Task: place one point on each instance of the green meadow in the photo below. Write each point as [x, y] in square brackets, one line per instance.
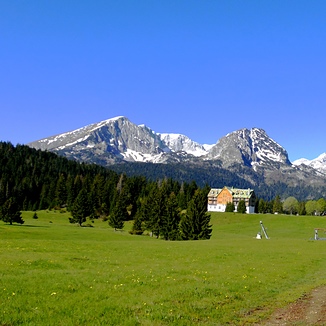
[56, 273]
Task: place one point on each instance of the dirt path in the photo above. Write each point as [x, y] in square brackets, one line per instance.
[308, 310]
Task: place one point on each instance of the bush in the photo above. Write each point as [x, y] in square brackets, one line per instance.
[229, 207]
[136, 232]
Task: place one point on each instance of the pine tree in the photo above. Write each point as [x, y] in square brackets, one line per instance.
[61, 191]
[118, 216]
[182, 201]
[137, 226]
[277, 205]
[155, 209]
[170, 222]
[10, 212]
[262, 206]
[187, 227]
[241, 207]
[80, 209]
[195, 225]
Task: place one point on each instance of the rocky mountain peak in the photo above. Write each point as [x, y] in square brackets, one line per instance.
[250, 147]
[318, 163]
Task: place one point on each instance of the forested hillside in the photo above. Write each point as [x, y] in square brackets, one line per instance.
[215, 176]
[33, 180]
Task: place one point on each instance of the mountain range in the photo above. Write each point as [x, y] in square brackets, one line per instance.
[248, 154]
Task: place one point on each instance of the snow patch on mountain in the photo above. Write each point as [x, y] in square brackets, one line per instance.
[318, 163]
[208, 147]
[251, 147]
[179, 142]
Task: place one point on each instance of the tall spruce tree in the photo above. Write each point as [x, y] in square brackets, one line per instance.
[155, 209]
[195, 225]
[61, 191]
[118, 215]
[80, 209]
[277, 205]
[170, 222]
[137, 226]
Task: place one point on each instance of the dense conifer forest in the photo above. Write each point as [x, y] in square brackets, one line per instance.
[35, 180]
[213, 175]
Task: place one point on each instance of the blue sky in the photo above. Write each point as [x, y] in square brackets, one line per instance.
[201, 68]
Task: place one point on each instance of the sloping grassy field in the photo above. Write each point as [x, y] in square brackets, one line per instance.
[55, 273]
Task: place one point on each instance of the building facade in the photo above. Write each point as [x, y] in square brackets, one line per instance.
[219, 198]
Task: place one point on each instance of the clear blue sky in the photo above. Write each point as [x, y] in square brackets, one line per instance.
[201, 68]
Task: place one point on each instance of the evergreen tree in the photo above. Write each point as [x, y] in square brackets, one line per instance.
[51, 193]
[118, 216]
[182, 201]
[262, 206]
[110, 194]
[170, 222]
[61, 191]
[155, 209]
[80, 209]
[190, 190]
[277, 205]
[2, 191]
[241, 207]
[10, 212]
[43, 200]
[195, 225]
[137, 226]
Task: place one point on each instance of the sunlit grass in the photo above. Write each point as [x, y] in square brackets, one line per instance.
[56, 273]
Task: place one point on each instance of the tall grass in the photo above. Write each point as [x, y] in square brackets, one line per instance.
[55, 273]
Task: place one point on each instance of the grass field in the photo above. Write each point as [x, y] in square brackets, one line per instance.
[55, 273]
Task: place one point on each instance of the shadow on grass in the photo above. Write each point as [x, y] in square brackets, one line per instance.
[27, 225]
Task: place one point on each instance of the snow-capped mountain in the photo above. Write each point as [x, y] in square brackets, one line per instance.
[119, 140]
[318, 163]
[108, 141]
[251, 147]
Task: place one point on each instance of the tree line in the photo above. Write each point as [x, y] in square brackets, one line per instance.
[35, 180]
[291, 205]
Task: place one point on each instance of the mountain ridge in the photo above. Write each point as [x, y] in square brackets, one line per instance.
[248, 155]
[319, 163]
[118, 139]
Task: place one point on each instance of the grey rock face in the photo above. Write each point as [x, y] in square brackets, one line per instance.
[250, 147]
[117, 138]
